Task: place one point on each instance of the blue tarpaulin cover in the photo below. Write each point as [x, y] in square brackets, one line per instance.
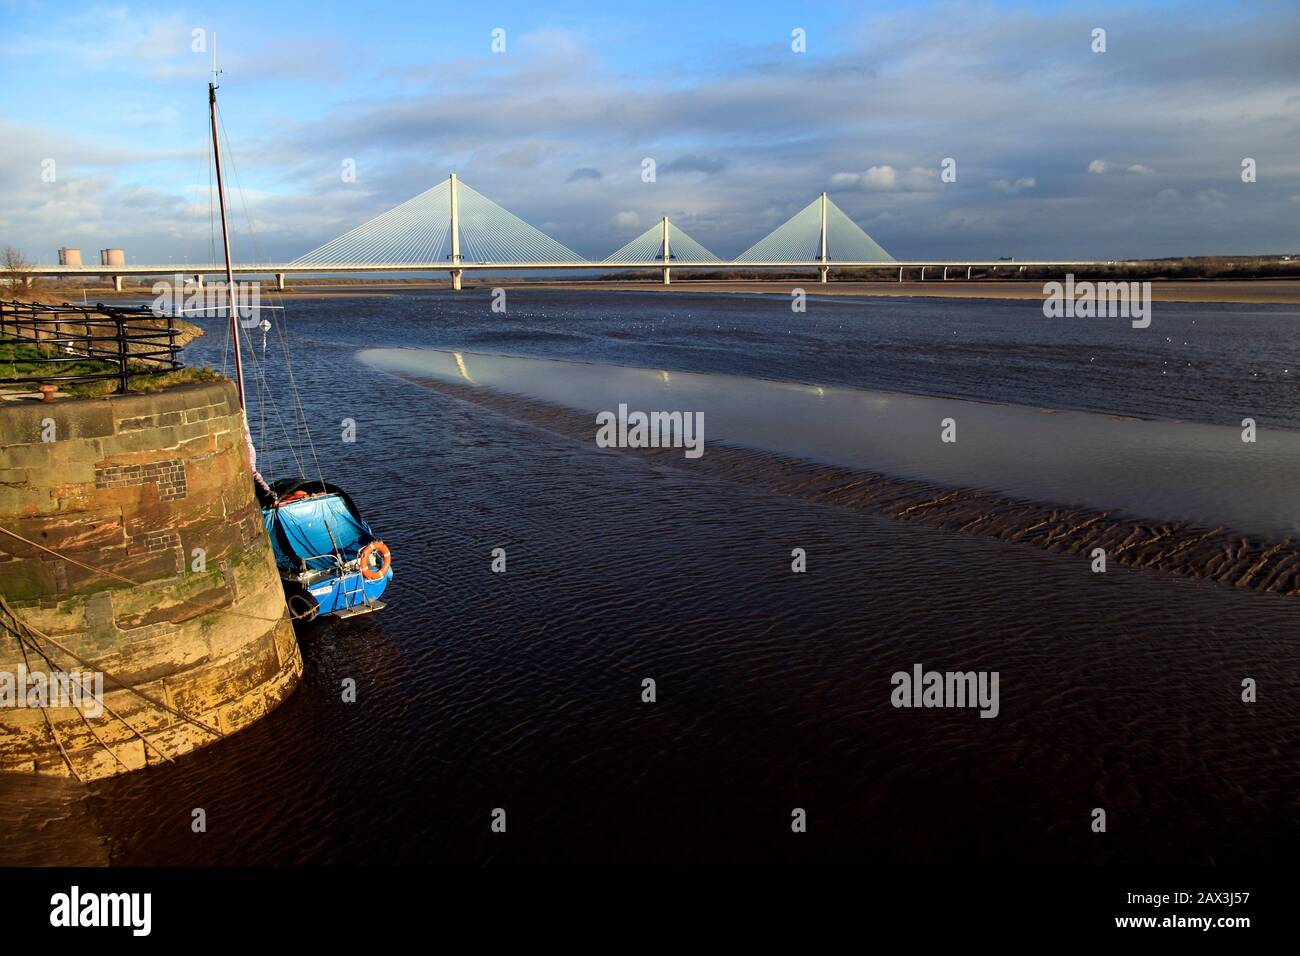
[302, 529]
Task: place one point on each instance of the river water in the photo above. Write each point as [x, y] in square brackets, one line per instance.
[523, 690]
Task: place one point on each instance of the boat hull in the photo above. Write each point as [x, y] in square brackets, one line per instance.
[343, 594]
[348, 592]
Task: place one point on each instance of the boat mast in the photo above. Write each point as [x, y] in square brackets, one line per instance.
[225, 239]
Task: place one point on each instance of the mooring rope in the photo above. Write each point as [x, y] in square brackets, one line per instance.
[110, 676]
[14, 629]
[125, 580]
[44, 710]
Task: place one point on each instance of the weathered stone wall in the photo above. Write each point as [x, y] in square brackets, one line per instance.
[135, 484]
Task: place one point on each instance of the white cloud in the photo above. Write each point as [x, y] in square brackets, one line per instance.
[1101, 166]
[886, 178]
[880, 177]
[1024, 182]
[627, 219]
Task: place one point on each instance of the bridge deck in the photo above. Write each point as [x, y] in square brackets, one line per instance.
[299, 268]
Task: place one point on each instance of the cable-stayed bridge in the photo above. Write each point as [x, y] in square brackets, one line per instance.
[454, 228]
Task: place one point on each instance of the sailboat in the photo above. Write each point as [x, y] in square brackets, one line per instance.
[331, 562]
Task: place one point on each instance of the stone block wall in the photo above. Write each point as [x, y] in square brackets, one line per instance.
[157, 490]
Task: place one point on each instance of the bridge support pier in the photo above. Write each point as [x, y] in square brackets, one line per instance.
[279, 282]
[455, 279]
[945, 273]
[117, 283]
[922, 273]
[823, 272]
[968, 269]
[900, 273]
[668, 279]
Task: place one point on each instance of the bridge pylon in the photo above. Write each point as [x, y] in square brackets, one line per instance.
[655, 247]
[667, 254]
[823, 271]
[450, 228]
[455, 235]
[820, 235]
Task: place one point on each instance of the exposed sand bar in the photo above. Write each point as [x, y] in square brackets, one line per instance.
[1191, 495]
[1157, 469]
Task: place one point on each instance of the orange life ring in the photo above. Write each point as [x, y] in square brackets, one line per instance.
[366, 560]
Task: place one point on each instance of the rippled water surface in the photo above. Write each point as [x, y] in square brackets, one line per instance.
[523, 690]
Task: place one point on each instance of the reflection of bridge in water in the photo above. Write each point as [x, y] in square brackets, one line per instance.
[454, 228]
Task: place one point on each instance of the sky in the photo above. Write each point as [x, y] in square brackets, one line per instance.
[1060, 151]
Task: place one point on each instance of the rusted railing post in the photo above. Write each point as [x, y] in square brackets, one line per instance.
[122, 354]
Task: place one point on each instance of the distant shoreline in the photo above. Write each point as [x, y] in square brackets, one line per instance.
[1242, 291]
[1257, 291]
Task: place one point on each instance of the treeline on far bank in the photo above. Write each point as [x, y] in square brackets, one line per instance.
[1183, 268]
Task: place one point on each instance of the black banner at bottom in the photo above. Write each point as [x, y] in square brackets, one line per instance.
[371, 905]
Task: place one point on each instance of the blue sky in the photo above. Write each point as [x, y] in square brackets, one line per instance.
[1060, 151]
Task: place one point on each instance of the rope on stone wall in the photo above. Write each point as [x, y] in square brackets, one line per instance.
[111, 712]
[116, 680]
[16, 629]
[125, 580]
[22, 645]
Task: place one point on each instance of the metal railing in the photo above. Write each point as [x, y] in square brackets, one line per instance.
[119, 342]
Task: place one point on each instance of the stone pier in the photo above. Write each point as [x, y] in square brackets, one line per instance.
[157, 490]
